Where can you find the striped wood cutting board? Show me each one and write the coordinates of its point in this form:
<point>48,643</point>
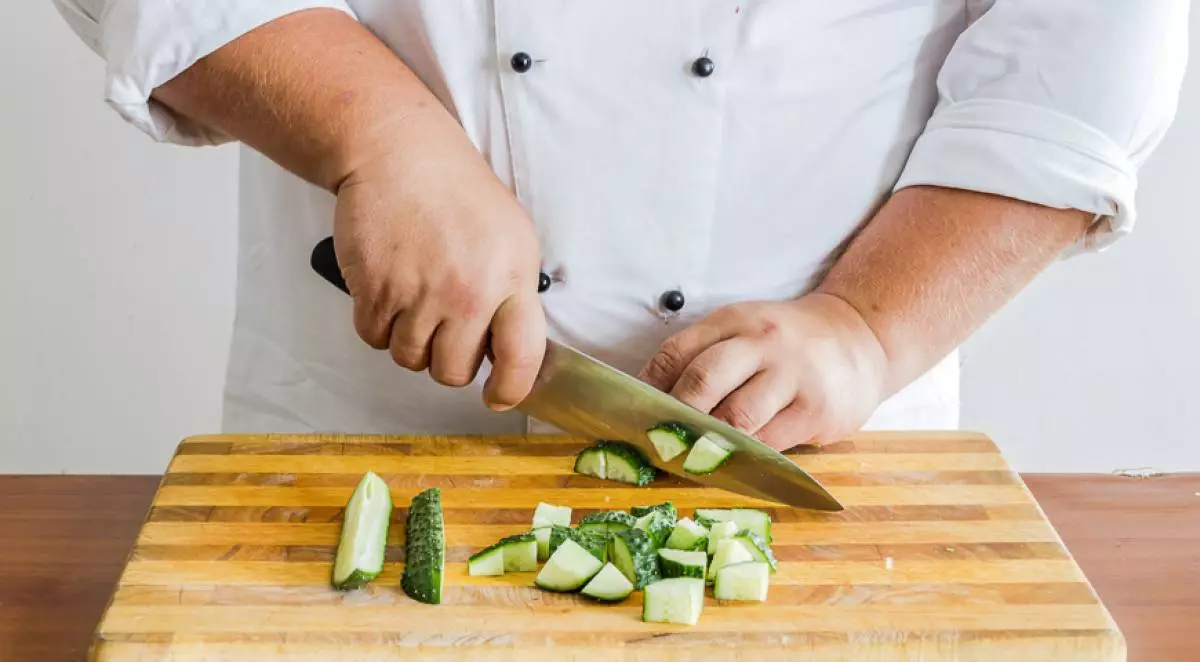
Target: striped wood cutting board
<point>941,554</point>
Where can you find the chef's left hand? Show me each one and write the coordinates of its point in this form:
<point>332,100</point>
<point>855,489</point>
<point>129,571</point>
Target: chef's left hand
<point>808,370</point>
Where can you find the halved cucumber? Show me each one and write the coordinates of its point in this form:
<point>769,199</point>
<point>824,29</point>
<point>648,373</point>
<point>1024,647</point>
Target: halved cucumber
<point>631,551</point>
<point>755,521</point>
<point>666,507</point>
<point>607,522</point>
<point>615,460</point>
<point>757,547</point>
<point>543,541</point>
<point>671,440</point>
<point>547,514</point>
<point>718,532</point>
<point>688,535</point>
<point>596,544</point>
<point>676,600</point>
<point>424,548</point>
<point>729,552</point>
<point>569,568</point>
<point>363,541</point>
<point>678,563</point>
<point>742,581</point>
<point>707,455</point>
<point>609,585</point>
<point>657,524</point>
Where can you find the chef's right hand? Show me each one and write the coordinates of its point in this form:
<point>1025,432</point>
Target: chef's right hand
<point>441,260</point>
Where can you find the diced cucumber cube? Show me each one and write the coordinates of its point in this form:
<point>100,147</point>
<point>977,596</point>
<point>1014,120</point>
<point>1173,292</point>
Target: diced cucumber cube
<point>543,540</point>
<point>757,547</point>
<point>666,507</point>
<point>597,544</point>
<point>742,581</point>
<point>671,440</point>
<point>729,552</point>
<point>687,535</point>
<point>487,563</point>
<point>755,521</point>
<point>615,460</point>
<point>568,569</point>
<point>718,532</point>
<point>630,550</point>
<point>657,525</point>
<point>607,522</point>
<point>609,585</point>
<point>677,600</point>
<point>678,563</point>
<point>707,455</point>
<point>547,515</point>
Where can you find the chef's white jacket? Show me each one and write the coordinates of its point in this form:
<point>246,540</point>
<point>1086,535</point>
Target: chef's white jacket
<point>644,176</point>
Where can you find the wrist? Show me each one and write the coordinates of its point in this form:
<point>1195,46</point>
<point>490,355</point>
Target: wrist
<point>868,351</point>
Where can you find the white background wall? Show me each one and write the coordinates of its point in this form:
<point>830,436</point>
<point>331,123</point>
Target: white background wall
<point>117,267</point>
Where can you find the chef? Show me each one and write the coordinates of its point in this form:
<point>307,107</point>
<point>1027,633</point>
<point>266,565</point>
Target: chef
<point>788,213</point>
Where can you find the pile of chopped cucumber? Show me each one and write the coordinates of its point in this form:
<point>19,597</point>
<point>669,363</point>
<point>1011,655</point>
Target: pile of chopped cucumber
<point>625,463</point>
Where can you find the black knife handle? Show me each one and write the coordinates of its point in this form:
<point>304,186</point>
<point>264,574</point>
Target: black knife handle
<point>324,262</point>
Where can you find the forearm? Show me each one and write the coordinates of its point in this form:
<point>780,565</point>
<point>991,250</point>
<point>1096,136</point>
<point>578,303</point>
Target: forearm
<point>314,91</point>
<point>935,263</point>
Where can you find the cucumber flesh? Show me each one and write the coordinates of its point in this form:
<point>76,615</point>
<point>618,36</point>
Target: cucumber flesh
<point>631,551</point>
<point>718,532</point>
<point>627,464</point>
<point>666,507</point>
<point>548,515</point>
<point>657,525</point>
<point>758,548</point>
<point>363,541</point>
<point>521,555</point>
<point>425,548</point>
<point>671,440</point>
<point>676,600</point>
<point>678,563</point>
<point>596,544</point>
<point>542,536</point>
<point>729,552</point>
<point>742,581</point>
<point>592,461</point>
<point>710,452</point>
<point>755,521</point>
<point>687,535</point>
<point>568,568</point>
<point>609,585</point>
<point>487,563</point>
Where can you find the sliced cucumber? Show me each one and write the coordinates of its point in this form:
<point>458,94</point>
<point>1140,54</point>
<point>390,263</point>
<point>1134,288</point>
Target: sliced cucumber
<point>609,585</point>
<point>627,464</point>
<point>487,563</point>
<point>666,507</point>
<point>758,548</point>
<point>755,521</point>
<point>671,440</point>
<point>678,563</point>
<point>677,600</point>
<point>425,548</point>
<point>742,581</point>
<point>729,552</point>
<point>592,461</point>
<point>569,568</point>
<point>718,532</point>
<point>594,543</point>
<point>707,455</point>
<point>607,522</point>
<point>547,515</point>
<point>363,541</point>
<point>543,540</point>
<point>657,524</point>
<point>631,551</point>
<point>516,554</point>
<point>688,535</point>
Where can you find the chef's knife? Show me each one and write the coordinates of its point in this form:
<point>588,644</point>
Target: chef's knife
<point>583,396</point>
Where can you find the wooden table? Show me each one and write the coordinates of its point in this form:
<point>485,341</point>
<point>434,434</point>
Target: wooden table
<point>63,540</point>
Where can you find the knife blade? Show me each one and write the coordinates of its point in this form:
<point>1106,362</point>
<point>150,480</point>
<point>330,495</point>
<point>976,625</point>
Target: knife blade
<point>584,396</point>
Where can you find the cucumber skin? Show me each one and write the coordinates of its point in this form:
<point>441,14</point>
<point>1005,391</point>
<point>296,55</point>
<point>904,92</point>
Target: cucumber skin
<point>629,454</point>
<point>666,506</point>
<point>758,548</point>
<point>520,537</point>
<point>671,569</point>
<point>596,544</point>
<point>641,554</point>
<point>658,528</point>
<point>607,519</point>
<point>425,548</point>
<point>737,516</point>
<point>679,432</point>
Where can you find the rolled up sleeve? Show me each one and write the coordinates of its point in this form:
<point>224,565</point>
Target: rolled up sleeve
<point>146,43</point>
<point>1057,103</point>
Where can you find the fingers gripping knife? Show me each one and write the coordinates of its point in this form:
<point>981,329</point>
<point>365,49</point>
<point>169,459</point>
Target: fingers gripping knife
<point>583,396</point>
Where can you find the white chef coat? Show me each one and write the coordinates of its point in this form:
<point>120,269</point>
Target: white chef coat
<point>643,177</point>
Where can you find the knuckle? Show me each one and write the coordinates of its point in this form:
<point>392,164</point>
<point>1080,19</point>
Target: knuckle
<point>695,381</point>
<point>668,361</point>
<point>452,378</point>
<point>740,415</point>
<point>408,354</point>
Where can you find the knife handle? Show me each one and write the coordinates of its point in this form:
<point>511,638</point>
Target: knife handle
<point>324,262</point>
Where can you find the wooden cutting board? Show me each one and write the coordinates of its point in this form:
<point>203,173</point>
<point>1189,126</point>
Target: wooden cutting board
<point>941,554</point>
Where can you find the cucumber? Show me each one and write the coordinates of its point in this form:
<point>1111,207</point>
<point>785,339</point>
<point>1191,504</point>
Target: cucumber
<point>425,548</point>
<point>742,581</point>
<point>568,568</point>
<point>512,554</point>
<point>363,541</point>
<point>758,548</point>
<point>592,461</point>
<point>676,600</point>
<point>755,521</point>
<point>707,455</point>
<point>666,506</point>
<point>678,563</point>
<point>547,515</point>
<point>596,544</point>
<point>671,440</point>
<point>729,552</point>
<point>615,460</point>
<point>609,585</point>
<point>630,550</point>
<point>607,522</point>
<point>543,541</point>
<point>657,524</point>
<point>718,532</point>
<point>688,535</point>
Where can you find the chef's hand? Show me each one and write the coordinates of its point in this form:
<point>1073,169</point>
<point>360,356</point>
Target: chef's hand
<point>441,260</point>
<point>808,370</point>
